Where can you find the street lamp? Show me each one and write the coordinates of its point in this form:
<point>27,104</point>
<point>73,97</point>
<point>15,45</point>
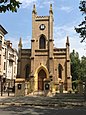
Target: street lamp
<point>1,86</point>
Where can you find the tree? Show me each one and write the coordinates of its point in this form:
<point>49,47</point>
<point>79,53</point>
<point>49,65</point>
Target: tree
<point>10,5</point>
<point>75,65</point>
<point>75,68</point>
<point>81,29</point>
<point>78,68</point>
<point>83,68</point>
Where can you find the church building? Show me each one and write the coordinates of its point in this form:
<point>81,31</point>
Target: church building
<point>44,66</point>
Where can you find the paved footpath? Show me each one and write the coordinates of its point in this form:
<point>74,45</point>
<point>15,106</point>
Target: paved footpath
<point>40,110</point>
<point>38,101</point>
<point>39,105</point>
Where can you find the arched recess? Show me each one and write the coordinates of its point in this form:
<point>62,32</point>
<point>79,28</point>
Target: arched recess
<point>37,74</point>
<point>60,68</point>
<point>41,77</point>
<point>42,42</point>
<point>27,71</point>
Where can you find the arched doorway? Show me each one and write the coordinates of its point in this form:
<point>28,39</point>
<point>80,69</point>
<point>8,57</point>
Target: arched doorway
<point>41,76</point>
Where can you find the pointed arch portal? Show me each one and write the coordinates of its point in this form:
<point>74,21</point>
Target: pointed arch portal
<point>41,74</point>
<point>41,77</point>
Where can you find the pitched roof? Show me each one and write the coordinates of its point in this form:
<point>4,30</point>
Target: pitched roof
<point>3,30</point>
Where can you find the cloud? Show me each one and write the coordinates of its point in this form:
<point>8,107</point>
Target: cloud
<point>48,2</point>
<point>26,42</point>
<point>66,9</point>
<point>39,3</point>
<point>60,36</point>
<point>27,3</point>
<point>45,3</point>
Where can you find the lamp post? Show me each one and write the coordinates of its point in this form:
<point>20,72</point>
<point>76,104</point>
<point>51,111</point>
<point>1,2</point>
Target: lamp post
<point>1,86</point>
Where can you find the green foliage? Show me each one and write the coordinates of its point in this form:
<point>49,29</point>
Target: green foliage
<point>81,29</point>
<point>75,65</point>
<point>83,68</point>
<point>78,68</point>
<point>10,5</point>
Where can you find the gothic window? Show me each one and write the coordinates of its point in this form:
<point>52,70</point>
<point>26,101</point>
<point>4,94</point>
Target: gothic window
<point>42,42</point>
<point>60,71</point>
<point>27,71</point>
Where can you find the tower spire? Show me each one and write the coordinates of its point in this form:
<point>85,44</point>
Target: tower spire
<point>67,42</point>
<point>20,43</point>
<point>51,11</point>
<point>34,9</point>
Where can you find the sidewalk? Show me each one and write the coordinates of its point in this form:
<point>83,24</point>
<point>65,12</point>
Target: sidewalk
<point>11,100</point>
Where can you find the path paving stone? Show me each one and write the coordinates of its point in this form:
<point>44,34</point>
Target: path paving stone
<point>59,100</point>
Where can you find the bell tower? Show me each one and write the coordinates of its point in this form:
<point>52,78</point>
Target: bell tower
<point>42,39</point>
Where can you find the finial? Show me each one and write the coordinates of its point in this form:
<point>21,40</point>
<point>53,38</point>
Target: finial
<point>20,43</point>
<point>50,6</point>
<point>34,9</point>
<point>67,42</point>
<point>51,11</point>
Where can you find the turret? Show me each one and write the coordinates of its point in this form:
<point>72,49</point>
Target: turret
<point>51,41</point>
<point>67,49</point>
<point>51,22</point>
<point>34,9</point>
<point>20,44</point>
<point>69,86</point>
<point>67,42</point>
<point>51,11</point>
<point>34,14</point>
<point>51,32</point>
<point>19,57</point>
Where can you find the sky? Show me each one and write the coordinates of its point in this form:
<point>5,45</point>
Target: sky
<point>66,17</point>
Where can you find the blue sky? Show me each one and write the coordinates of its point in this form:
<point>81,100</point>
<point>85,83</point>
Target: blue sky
<point>66,16</point>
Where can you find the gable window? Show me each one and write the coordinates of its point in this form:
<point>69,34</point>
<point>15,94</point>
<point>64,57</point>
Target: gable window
<point>42,42</point>
<point>60,71</point>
